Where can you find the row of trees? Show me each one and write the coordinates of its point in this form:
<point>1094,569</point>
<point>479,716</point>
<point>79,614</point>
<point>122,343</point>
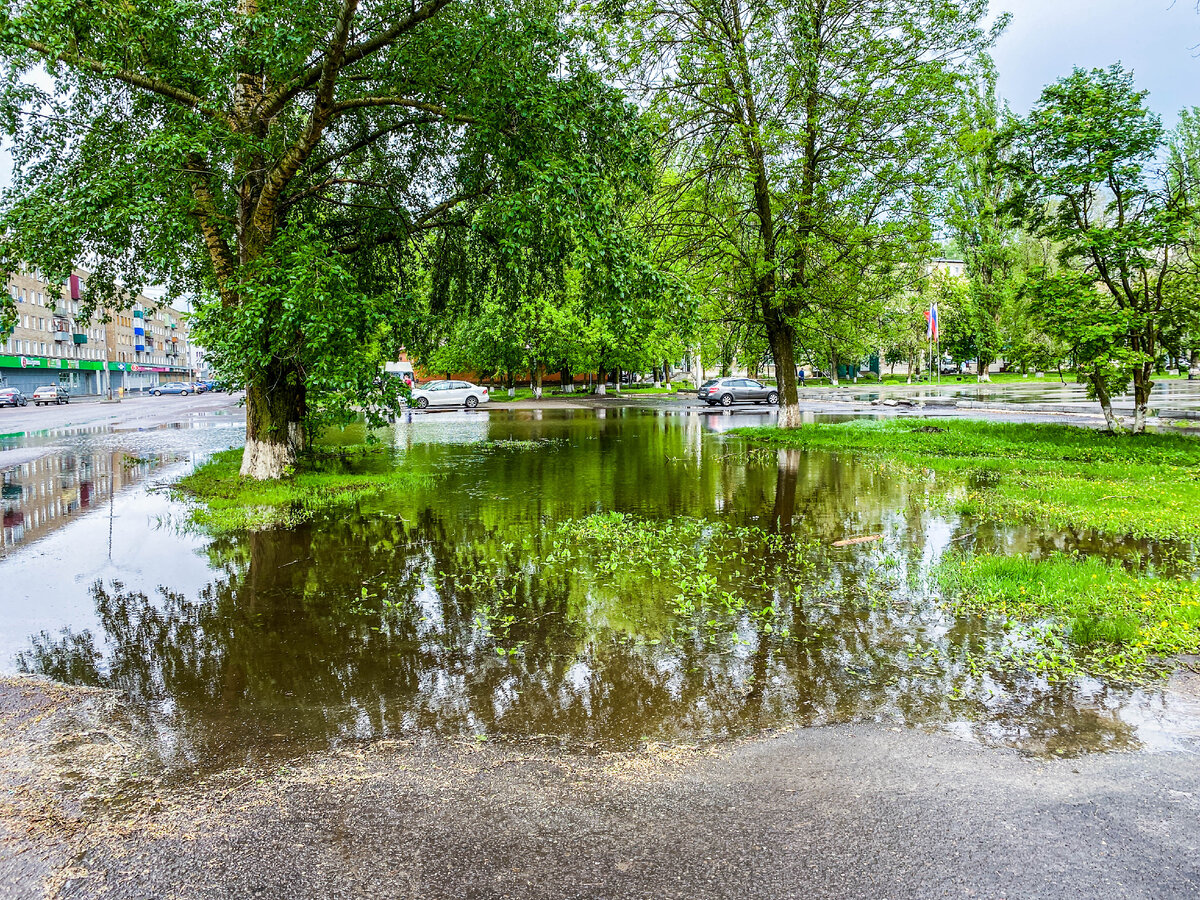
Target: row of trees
<point>545,186</point>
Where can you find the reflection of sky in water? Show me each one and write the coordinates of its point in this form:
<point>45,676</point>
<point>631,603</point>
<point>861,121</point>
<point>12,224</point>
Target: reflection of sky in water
<point>390,619</point>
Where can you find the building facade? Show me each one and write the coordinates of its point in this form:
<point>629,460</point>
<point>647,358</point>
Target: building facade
<point>53,343</point>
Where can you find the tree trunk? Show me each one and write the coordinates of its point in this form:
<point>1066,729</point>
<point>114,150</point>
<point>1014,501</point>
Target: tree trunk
<point>566,381</point>
<point>275,409</point>
<point>601,383</point>
<point>1114,424</point>
<point>537,382</point>
<point>1142,385</point>
<point>781,337</point>
<point>833,373</point>
<point>666,374</point>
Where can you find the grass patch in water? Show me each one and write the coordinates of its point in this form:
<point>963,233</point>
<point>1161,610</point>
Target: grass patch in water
<point>1111,620</point>
<point>226,502</point>
<point>1057,476</point>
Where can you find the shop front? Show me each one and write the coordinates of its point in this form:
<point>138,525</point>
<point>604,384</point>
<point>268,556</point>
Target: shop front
<point>28,373</point>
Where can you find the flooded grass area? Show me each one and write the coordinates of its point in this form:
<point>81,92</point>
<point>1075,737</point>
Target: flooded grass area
<point>330,478</point>
<point>1126,602</point>
<point>1054,476</point>
<point>598,578</point>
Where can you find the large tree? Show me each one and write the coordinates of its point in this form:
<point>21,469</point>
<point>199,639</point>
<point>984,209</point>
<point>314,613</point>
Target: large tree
<point>1088,157</point>
<point>291,159</point>
<point>807,134</point>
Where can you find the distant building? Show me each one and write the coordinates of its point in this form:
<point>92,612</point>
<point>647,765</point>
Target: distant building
<point>52,342</point>
<point>955,268</point>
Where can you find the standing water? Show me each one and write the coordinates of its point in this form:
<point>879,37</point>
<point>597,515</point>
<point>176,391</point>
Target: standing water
<point>589,577</point>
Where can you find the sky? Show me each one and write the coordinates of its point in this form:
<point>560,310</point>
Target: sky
<point>1158,39</point>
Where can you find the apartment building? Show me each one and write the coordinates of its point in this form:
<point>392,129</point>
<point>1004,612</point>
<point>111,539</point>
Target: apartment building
<point>52,341</point>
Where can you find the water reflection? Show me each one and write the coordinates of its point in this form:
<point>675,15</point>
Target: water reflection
<point>466,608</point>
<point>46,493</point>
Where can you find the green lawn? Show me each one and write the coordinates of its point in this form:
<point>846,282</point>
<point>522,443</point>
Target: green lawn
<point>225,502</point>
<point>1054,475</point>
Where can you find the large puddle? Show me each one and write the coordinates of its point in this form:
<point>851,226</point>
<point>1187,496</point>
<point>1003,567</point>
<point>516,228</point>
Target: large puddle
<point>597,578</point>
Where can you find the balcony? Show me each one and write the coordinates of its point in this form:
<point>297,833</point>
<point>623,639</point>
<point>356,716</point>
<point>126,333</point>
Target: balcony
<point>139,348</point>
<point>79,338</point>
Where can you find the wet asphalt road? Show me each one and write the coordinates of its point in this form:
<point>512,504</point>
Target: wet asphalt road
<point>836,812</point>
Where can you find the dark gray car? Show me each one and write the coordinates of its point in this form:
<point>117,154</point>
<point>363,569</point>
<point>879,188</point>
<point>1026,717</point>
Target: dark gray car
<point>728,391</point>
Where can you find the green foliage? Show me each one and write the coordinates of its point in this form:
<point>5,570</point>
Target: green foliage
<point>1085,160</point>
<point>1071,308</point>
<point>803,141</point>
<point>981,221</point>
<point>319,171</point>
<point>301,301</point>
<point>1117,621</point>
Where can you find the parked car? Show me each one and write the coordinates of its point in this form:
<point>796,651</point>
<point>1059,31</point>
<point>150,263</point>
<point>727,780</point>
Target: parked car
<point>172,387</point>
<point>200,386</point>
<point>12,397</point>
<point>728,391</point>
<point>449,393</point>
<point>50,393</point>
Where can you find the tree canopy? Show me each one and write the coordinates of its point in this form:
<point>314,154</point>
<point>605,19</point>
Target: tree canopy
<point>308,170</point>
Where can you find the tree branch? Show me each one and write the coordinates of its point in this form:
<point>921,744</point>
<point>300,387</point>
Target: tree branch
<point>323,110</point>
<point>439,111</point>
<point>224,268</point>
<point>277,99</point>
<point>153,85</point>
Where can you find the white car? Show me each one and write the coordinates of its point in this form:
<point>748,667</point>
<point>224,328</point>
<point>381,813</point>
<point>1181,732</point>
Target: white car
<point>449,393</point>
<point>50,393</point>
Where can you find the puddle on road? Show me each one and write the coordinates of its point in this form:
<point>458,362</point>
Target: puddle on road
<point>567,576</point>
<point>1169,394</point>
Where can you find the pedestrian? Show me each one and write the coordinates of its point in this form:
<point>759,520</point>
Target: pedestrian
<point>800,375</point>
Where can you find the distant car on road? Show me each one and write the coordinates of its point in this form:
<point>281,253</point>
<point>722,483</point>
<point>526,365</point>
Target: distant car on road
<point>172,387</point>
<point>12,397</point>
<point>50,393</point>
<point>449,393</point>
<point>728,391</point>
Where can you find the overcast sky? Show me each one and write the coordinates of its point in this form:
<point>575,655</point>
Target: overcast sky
<point>1158,39</point>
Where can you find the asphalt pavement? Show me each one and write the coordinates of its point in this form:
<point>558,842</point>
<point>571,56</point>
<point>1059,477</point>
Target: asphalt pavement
<point>847,811</point>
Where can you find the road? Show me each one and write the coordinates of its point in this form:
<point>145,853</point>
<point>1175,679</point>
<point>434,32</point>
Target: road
<point>30,432</point>
<point>848,811</point>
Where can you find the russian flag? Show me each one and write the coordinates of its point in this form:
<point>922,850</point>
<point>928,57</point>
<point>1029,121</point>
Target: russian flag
<point>931,322</point>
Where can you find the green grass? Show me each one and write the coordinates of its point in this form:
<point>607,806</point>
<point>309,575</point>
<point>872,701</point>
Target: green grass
<point>1057,476</point>
<point>225,502</point>
<point>1110,619</point>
